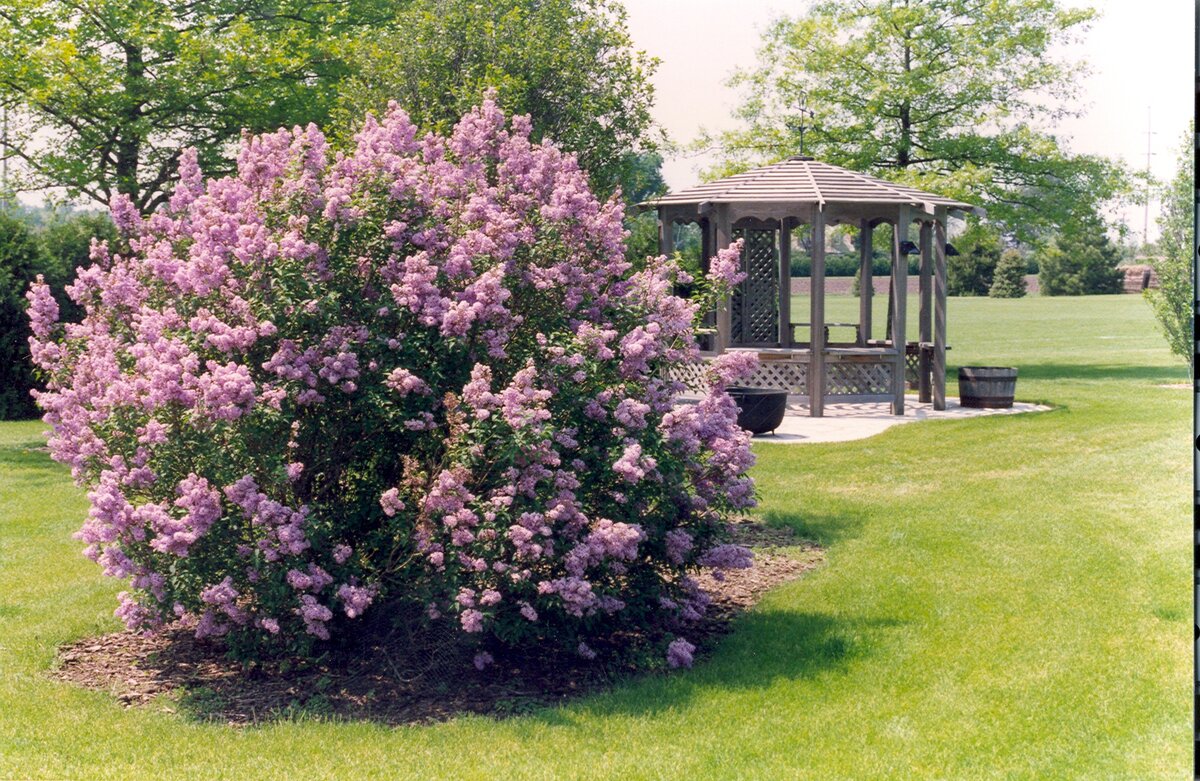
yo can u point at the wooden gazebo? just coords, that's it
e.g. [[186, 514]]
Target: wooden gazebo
[[763, 207]]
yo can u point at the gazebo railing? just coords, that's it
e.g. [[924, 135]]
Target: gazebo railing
[[851, 374], [798, 342], [857, 374]]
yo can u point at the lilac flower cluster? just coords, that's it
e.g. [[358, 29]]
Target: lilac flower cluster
[[418, 373], [679, 653]]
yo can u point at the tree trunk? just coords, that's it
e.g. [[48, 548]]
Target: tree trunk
[[129, 146]]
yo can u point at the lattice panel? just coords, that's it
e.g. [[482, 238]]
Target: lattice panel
[[693, 375], [755, 303], [912, 369], [781, 375], [858, 379]]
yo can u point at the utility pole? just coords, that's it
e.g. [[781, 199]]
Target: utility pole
[[1146, 211]]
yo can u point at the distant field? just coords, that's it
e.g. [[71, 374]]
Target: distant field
[[843, 286]]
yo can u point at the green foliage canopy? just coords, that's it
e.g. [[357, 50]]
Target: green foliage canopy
[[105, 94], [641, 179], [1009, 278], [22, 258], [54, 249], [1081, 261], [1175, 261], [68, 238], [569, 64], [970, 273], [951, 96]]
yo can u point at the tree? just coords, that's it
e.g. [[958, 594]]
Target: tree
[[1174, 260], [22, 258], [1009, 279], [53, 250], [642, 241], [1081, 261], [970, 272], [68, 237], [946, 95], [104, 94], [642, 180], [569, 64]]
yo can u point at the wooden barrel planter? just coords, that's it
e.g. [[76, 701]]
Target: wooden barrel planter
[[759, 409], [987, 387]]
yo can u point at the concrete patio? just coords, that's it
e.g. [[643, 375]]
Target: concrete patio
[[845, 422]]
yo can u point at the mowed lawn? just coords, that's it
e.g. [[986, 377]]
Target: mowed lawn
[[1003, 598]]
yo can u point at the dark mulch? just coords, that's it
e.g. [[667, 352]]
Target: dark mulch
[[383, 679]]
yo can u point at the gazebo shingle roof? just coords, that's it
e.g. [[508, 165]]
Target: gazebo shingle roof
[[804, 180]]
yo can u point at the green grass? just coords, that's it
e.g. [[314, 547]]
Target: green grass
[[1003, 597]]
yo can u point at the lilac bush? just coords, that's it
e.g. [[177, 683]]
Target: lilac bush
[[418, 376]]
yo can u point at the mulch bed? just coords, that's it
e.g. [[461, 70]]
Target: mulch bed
[[382, 679]]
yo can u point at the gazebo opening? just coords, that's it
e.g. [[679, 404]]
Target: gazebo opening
[[787, 208]]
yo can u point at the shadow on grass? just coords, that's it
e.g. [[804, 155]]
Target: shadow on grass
[[825, 530], [765, 648], [29, 462]]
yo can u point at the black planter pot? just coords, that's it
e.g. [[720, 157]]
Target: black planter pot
[[760, 409], [987, 387]]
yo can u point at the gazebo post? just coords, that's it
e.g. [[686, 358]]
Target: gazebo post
[[899, 304], [939, 309], [816, 320], [665, 239], [707, 250], [866, 286], [724, 312], [926, 313], [785, 282]]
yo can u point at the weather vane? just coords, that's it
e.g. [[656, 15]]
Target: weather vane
[[797, 125]]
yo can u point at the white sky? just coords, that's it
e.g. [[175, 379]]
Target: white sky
[[1140, 52]]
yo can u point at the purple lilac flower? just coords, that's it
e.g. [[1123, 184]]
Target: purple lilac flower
[[679, 545], [472, 621], [390, 502], [728, 556], [355, 599], [679, 653], [315, 615], [726, 265], [732, 366]]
